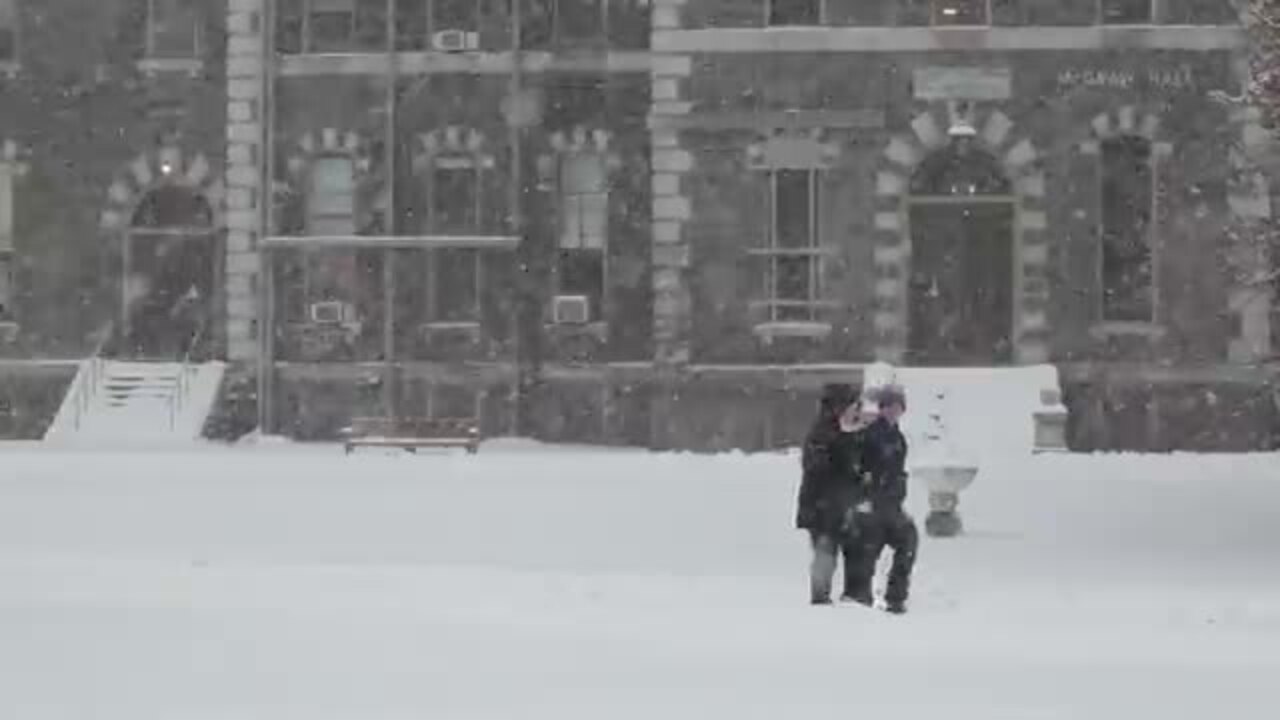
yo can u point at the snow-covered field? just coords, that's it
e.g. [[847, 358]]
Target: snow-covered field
[[529, 583]]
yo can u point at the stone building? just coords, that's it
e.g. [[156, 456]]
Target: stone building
[[653, 222]]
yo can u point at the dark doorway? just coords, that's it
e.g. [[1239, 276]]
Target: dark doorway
[[960, 287], [171, 270]]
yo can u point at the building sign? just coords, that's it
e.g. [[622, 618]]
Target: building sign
[[962, 83], [1178, 77]]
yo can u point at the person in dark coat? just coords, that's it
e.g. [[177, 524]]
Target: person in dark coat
[[829, 489], [880, 520]]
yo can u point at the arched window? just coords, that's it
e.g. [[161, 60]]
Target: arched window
[[331, 196], [1128, 198], [172, 208], [960, 169], [584, 227], [584, 200], [331, 277], [455, 179]]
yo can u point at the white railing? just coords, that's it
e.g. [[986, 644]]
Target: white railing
[[91, 375], [182, 386]]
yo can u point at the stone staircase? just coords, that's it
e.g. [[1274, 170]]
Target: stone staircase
[[117, 403]]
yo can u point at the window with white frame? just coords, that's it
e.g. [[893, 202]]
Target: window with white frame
[[8, 30], [7, 176], [961, 12], [584, 227], [330, 275], [1126, 12], [173, 29], [455, 207], [794, 268], [795, 12], [331, 196], [1128, 200]]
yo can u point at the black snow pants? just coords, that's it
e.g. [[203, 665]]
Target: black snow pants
[[894, 529], [827, 551]]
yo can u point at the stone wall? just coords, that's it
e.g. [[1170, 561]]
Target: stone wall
[[1134, 415], [81, 106], [1045, 127]]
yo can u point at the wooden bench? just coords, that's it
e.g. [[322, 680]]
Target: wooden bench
[[410, 434]]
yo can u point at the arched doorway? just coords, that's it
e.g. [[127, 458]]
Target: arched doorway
[[961, 282], [171, 268]]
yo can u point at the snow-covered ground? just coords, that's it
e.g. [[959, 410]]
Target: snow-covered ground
[[523, 583]]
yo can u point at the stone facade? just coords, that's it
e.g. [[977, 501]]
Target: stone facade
[[1044, 130], [97, 121], [696, 111]]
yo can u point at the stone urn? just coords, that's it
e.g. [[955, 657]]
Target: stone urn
[[944, 481], [943, 471]]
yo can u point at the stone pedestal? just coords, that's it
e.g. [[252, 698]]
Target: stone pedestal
[[945, 483]]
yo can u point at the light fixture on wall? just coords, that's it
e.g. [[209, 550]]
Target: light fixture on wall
[[962, 129], [961, 115]]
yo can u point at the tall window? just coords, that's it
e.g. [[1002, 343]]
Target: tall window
[[1127, 207], [794, 269], [8, 30], [455, 207], [173, 29], [331, 208], [795, 12], [6, 241], [584, 227], [1126, 12], [960, 12], [331, 275]]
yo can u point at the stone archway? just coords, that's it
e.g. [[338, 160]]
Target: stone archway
[[166, 209], [994, 133], [323, 145], [167, 166]]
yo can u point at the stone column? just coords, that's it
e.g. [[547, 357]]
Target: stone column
[[246, 51], [671, 208], [670, 162], [1249, 262]]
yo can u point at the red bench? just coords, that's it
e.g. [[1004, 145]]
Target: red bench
[[410, 434]]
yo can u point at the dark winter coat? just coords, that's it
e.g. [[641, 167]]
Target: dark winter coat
[[883, 461], [829, 488]]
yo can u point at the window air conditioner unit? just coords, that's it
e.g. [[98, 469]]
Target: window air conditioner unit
[[571, 310], [455, 41], [330, 312]]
